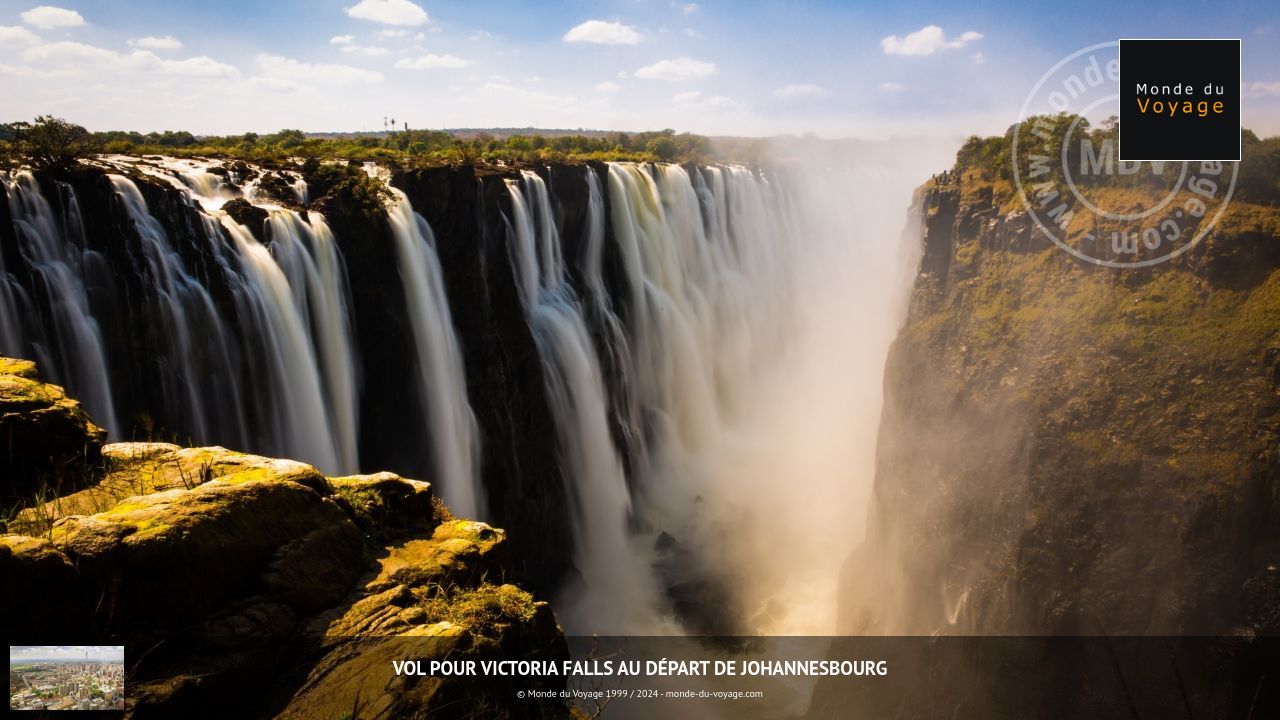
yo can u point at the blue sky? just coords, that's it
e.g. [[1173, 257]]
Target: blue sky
[[860, 69], [21, 653]]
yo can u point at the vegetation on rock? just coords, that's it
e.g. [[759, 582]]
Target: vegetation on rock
[[1106, 440], [259, 587], [51, 142], [48, 444]]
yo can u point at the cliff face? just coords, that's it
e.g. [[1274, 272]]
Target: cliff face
[[251, 587], [521, 473], [1075, 450]]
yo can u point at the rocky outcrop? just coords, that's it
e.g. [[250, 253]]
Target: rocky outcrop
[[44, 596], [1068, 450], [1074, 450], [254, 587], [48, 444]]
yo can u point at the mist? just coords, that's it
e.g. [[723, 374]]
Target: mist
[[765, 393]]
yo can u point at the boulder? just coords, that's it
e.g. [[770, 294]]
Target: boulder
[[252, 217], [44, 600], [139, 468], [47, 441], [188, 553], [386, 505], [429, 598]]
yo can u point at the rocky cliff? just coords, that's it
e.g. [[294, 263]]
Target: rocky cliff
[[244, 586], [1069, 450]]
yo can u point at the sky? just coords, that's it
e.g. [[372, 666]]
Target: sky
[[23, 653], [837, 69]]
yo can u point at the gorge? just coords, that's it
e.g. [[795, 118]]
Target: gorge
[[665, 383]]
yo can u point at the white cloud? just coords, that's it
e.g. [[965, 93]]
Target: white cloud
[[979, 58], [199, 66], [715, 102], [608, 86], [890, 88], [275, 83], [690, 32], [479, 35], [14, 35], [389, 12], [341, 39], [365, 50], [677, 70], [520, 96], [1259, 89], [74, 55], [168, 42], [393, 33], [603, 32], [278, 66], [689, 8], [47, 17], [926, 41], [800, 91], [431, 61]]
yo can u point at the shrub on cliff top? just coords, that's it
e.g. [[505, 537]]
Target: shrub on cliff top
[[53, 143]]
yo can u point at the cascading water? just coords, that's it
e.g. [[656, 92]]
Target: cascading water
[[441, 380], [717, 388], [195, 380], [761, 307], [297, 297], [55, 251], [617, 591], [309, 258], [746, 344], [300, 421]]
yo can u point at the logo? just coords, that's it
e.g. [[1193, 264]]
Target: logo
[[1098, 208]]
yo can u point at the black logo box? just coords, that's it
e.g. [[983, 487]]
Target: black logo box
[[1180, 64]]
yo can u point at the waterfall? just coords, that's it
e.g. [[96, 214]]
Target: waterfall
[[301, 422], [441, 381], [198, 374], [761, 304], [296, 297], [56, 253], [617, 593], [712, 347], [309, 258]]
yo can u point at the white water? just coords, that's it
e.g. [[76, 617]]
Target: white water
[[618, 593], [55, 250], [297, 294], [199, 374], [762, 309], [309, 258], [747, 346], [441, 381], [300, 418]]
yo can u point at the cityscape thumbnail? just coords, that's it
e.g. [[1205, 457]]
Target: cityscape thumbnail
[[66, 677]]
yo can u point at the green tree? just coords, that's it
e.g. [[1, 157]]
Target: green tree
[[664, 148], [54, 143]]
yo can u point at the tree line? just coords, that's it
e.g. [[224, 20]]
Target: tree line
[[53, 142], [1258, 178]]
